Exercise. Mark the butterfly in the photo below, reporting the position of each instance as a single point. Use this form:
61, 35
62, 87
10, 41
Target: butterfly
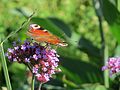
40, 34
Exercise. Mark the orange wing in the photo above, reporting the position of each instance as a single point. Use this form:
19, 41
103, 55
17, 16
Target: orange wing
41, 35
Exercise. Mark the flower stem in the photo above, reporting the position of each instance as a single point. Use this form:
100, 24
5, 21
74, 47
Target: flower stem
33, 82
104, 50
5, 69
106, 72
40, 86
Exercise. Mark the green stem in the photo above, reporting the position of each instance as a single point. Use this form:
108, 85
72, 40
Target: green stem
106, 72
104, 50
33, 82
40, 86
4, 65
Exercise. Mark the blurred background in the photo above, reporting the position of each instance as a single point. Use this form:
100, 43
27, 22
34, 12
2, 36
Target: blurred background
90, 27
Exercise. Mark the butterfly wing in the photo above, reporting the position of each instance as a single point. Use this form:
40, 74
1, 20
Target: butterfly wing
42, 35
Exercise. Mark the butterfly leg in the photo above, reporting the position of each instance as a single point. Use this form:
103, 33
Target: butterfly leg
56, 47
47, 45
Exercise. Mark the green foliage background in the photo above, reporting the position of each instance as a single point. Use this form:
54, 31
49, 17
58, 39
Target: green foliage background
76, 21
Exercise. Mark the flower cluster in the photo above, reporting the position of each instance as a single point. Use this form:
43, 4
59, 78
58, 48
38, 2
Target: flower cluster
41, 60
113, 64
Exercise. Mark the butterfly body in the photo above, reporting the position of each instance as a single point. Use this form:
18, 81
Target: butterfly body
42, 35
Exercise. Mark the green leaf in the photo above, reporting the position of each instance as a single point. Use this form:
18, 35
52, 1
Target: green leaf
52, 87
71, 75
69, 83
95, 86
86, 72
87, 46
16, 68
18, 71
112, 16
62, 25
117, 51
118, 4
115, 29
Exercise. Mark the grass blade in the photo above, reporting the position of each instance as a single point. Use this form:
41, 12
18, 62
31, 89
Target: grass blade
5, 69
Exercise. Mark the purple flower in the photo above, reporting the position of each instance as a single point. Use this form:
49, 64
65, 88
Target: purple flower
46, 64
35, 56
14, 44
35, 70
14, 59
43, 52
26, 42
50, 57
23, 47
10, 50
16, 48
39, 56
28, 46
113, 64
52, 71
41, 60
44, 69
37, 51
27, 60
45, 57
43, 77
104, 68
55, 58
53, 51
46, 76
10, 57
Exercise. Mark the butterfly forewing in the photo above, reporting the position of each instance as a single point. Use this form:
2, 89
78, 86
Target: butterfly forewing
42, 35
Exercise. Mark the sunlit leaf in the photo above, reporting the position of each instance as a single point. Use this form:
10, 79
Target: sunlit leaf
112, 16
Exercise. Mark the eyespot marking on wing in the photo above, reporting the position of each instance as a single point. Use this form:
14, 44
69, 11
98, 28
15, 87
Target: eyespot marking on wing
36, 27
45, 30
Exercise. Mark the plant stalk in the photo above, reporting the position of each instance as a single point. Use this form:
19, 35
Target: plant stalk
5, 69
40, 86
33, 82
104, 50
